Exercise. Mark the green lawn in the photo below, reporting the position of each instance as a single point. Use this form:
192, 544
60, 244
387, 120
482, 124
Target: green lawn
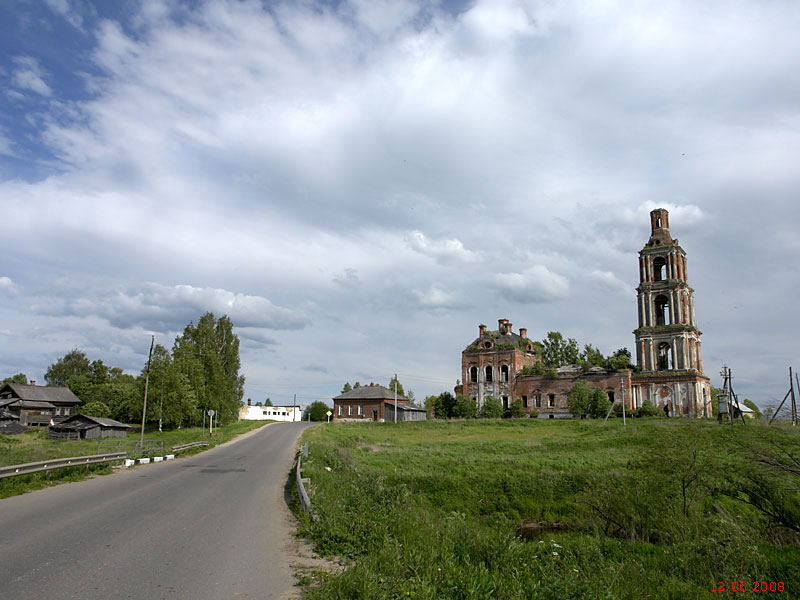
34, 447
551, 509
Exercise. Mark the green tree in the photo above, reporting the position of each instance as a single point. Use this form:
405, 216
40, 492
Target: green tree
347, 388
208, 355
71, 364
715, 392
752, 406
465, 407
19, 378
517, 410
429, 404
443, 405
592, 357
356, 385
620, 360
400, 391
268, 402
585, 399
94, 409
318, 411
559, 352
492, 409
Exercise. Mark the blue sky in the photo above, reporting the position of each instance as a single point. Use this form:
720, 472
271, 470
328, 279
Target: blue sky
360, 184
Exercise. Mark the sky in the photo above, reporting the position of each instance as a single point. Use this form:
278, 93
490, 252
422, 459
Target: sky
359, 184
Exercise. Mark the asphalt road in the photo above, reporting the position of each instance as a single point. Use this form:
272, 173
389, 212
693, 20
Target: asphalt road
211, 526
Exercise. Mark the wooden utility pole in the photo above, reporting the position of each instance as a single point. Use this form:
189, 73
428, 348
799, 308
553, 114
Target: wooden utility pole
794, 403
294, 407
395, 398
146, 384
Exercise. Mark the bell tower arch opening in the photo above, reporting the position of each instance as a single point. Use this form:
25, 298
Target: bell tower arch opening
662, 311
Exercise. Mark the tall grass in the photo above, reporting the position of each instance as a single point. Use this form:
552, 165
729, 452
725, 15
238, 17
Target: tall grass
541, 509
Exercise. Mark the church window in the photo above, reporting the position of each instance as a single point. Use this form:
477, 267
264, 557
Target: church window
489, 374
659, 269
664, 355
524, 402
473, 374
505, 402
662, 310
538, 400
551, 400
504, 373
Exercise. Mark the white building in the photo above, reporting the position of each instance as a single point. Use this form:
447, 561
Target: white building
271, 413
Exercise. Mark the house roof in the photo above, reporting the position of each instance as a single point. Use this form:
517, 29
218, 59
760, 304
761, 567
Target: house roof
370, 392
40, 393
85, 421
16, 402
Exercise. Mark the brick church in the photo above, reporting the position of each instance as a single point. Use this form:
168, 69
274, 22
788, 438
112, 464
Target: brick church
669, 359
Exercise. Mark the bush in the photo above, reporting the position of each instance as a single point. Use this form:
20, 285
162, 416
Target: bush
466, 407
586, 399
517, 411
95, 409
492, 409
648, 410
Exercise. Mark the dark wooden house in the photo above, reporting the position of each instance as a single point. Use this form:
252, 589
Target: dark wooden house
38, 405
9, 423
405, 412
84, 427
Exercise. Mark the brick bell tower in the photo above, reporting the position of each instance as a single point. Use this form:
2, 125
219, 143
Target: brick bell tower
668, 349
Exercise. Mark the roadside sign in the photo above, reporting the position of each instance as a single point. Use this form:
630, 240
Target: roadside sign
210, 412
329, 413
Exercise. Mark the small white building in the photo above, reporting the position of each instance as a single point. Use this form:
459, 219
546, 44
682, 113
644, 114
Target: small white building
271, 413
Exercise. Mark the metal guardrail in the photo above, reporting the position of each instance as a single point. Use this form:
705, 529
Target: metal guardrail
58, 463
189, 445
135, 449
301, 490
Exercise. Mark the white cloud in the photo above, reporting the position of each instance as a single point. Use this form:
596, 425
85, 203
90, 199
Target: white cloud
534, 285
443, 251
29, 76
63, 8
436, 298
606, 280
7, 287
165, 308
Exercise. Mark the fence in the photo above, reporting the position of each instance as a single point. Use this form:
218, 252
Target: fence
189, 445
58, 463
134, 449
301, 490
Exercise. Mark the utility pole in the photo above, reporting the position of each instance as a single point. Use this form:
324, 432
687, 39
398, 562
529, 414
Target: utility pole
794, 403
146, 383
395, 398
622, 393
294, 407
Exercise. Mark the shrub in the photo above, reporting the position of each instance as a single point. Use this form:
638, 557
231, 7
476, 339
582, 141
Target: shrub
492, 409
648, 410
466, 407
95, 409
517, 410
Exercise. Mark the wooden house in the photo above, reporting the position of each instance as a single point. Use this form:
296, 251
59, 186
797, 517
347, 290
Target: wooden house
365, 403
38, 405
84, 427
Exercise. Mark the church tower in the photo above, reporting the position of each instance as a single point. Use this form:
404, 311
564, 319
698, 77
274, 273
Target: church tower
668, 349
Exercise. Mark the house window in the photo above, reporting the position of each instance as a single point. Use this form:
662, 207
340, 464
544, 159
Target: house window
551, 400
524, 402
538, 399
489, 374
340, 410
360, 410
265, 412
350, 410
58, 410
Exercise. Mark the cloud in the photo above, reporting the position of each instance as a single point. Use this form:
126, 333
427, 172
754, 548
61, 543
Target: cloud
436, 298
446, 252
63, 8
314, 369
534, 285
606, 280
29, 76
167, 308
7, 287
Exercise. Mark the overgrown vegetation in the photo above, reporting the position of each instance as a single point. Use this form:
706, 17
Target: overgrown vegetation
34, 447
553, 509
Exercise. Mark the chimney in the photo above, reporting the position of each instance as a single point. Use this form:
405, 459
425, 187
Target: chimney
523, 333
249, 402
33, 382
502, 325
508, 326
371, 384
482, 330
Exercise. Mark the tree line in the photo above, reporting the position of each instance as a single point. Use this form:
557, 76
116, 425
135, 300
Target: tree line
201, 372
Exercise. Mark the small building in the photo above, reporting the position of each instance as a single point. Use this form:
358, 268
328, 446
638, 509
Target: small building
38, 405
85, 427
271, 413
365, 403
9, 423
405, 412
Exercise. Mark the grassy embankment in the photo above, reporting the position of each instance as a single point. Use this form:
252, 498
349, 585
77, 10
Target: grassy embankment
34, 447
550, 509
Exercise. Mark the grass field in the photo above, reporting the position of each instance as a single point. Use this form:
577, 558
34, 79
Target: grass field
553, 509
34, 447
